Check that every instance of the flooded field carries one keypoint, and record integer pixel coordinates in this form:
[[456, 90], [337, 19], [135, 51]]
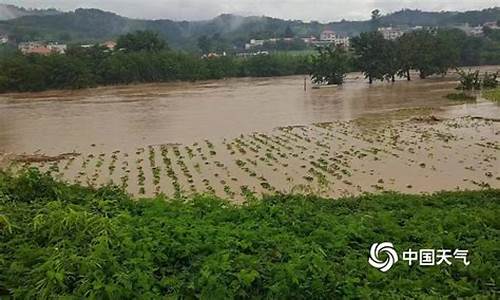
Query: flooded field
[[239, 138]]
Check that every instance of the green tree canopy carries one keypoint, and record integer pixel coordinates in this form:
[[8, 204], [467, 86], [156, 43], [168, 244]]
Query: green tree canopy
[[141, 41], [369, 49], [330, 65]]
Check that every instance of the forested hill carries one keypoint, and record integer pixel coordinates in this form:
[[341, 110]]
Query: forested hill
[[87, 25]]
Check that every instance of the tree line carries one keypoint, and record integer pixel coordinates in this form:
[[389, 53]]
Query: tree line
[[141, 57], [427, 51]]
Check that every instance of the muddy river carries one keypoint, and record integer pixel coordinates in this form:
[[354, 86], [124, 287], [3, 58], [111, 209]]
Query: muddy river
[[240, 137], [127, 117]]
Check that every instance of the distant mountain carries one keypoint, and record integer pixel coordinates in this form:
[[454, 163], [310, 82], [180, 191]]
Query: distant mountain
[[9, 12], [88, 25]]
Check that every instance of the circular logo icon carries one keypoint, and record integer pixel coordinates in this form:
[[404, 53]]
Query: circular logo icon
[[375, 252]]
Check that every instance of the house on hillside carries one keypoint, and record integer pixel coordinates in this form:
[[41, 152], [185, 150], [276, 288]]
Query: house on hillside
[[309, 40], [254, 43], [391, 33], [492, 25], [111, 45], [4, 39], [42, 48], [332, 37], [469, 30]]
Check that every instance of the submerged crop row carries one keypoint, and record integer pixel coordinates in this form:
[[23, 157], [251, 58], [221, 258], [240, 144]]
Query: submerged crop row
[[329, 159], [58, 240]]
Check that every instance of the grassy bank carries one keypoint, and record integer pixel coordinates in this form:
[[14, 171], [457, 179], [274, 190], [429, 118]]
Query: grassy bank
[[60, 240]]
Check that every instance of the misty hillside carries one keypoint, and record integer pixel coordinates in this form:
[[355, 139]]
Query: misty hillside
[[89, 25], [9, 12]]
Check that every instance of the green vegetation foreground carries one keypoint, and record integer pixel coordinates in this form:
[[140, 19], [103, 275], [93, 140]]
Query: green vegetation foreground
[[61, 240]]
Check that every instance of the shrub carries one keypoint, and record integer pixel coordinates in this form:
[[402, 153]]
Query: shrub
[[67, 241]]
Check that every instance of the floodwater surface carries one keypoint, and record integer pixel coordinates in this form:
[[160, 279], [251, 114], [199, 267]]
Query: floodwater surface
[[127, 117], [240, 138]]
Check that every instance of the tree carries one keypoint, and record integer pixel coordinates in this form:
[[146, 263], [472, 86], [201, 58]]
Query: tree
[[288, 32], [369, 49], [406, 54], [330, 65], [375, 19], [390, 60], [205, 44], [141, 41], [425, 43]]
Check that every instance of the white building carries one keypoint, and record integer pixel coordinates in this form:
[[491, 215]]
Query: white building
[[4, 39], [42, 48], [254, 43], [309, 40], [391, 33], [57, 48], [332, 37]]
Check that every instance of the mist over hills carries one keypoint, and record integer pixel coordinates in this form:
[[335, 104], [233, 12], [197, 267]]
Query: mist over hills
[[91, 25], [9, 12]]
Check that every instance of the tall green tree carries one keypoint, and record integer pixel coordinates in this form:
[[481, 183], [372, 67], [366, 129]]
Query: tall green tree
[[288, 32], [425, 43], [330, 65], [369, 49], [205, 44], [406, 54], [391, 64], [375, 19], [436, 51], [141, 41]]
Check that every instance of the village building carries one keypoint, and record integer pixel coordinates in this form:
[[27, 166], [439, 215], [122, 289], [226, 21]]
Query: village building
[[254, 43], [391, 33], [331, 37], [4, 39], [42, 48], [309, 40], [492, 25], [111, 45]]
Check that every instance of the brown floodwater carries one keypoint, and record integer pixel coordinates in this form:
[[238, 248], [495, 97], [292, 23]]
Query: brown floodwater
[[242, 137], [127, 117]]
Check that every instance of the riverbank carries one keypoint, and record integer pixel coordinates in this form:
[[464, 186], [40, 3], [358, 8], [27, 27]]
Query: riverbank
[[103, 244]]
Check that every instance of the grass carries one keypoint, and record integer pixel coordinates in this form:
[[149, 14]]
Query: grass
[[58, 240], [492, 95], [460, 97]]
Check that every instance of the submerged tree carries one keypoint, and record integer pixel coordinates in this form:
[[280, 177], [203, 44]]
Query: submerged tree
[[375, 19], [369, 49], [390, 57], [435, 51], [406, 55], [469, 80], [330, 65]]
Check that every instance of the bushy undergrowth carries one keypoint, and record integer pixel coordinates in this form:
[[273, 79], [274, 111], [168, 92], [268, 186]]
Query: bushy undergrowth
[[61, 240]]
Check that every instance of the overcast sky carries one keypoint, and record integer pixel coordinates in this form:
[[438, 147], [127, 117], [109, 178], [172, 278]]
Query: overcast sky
[[320, 10]]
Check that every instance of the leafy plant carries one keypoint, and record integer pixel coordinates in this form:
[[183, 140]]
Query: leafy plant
[[66, 241]]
